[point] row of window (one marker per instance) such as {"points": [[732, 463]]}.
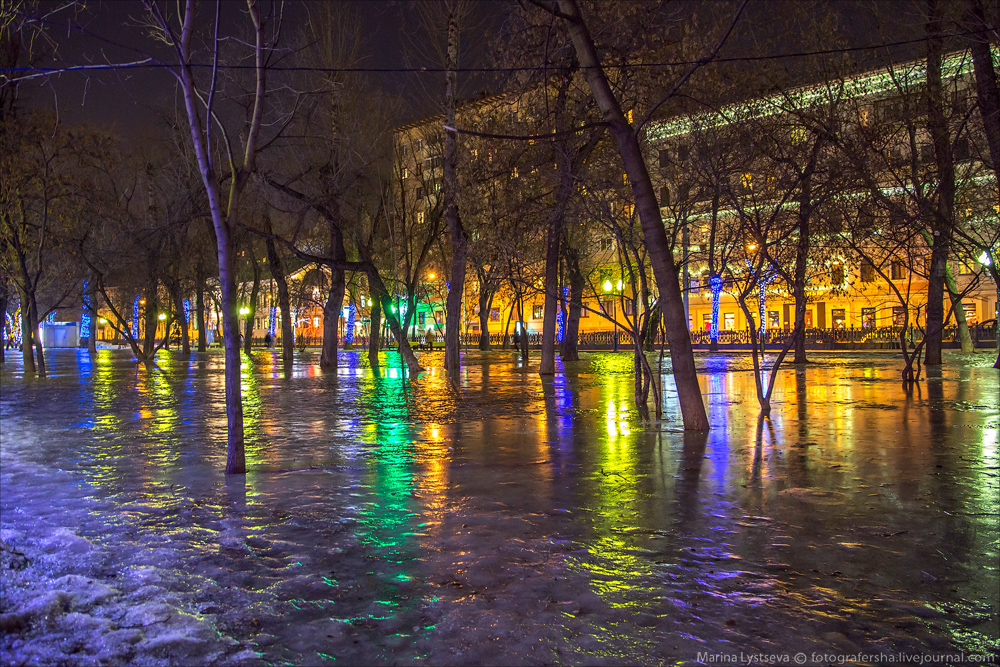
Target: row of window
{"points": [[605, 305], [897, 271]]}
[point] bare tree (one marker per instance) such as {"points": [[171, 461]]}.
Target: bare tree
{"points": [[178, 30]]}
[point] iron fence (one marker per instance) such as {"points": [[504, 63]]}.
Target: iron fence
{"points": [[982, 334]]}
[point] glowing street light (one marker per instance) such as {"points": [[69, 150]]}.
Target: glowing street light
{"points": [[244, 311], [161, 316], [431, 276], [607, 285]]}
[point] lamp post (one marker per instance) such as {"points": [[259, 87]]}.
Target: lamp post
{"points": [[607, 289], [244, 311]]}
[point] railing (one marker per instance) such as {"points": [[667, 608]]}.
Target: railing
{"points": [[983, 335]]}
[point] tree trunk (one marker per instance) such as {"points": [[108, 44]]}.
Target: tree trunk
{"points": [[802, 248], [39, 352], [335, 300], [664, 268], [547, 363], [92, 309], [3, 324], [248, 325], [375, 335], [485, 306], [987, 91], [571, 337], [235, 456], [941, 215], [28, 333], [379, 292], [459, 239], [178, 297], [964, 337], [506, 329], [284, 305], [199, 302], [331, 320], [484, 328], [149, 315]]}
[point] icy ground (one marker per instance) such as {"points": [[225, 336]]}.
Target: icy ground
{"points": [[387, 522]]}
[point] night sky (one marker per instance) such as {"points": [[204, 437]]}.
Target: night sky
{"points": [[124, 99]]}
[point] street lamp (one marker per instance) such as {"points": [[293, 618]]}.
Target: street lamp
{"points": [[607, 288]]}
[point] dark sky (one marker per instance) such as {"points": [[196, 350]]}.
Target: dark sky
{"points": [[107, 31]]}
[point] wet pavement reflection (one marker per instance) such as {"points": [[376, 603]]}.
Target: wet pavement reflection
{"points": [[515, 520]]}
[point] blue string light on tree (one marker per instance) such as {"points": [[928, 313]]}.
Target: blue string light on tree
{"points": [[765, 278], [187, 311], [561, 317], [272, 320], [352, 311], [716, 283], [135, 317], [85, 315]]}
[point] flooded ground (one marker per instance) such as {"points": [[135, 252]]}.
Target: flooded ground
{"points": [[508, 521]]}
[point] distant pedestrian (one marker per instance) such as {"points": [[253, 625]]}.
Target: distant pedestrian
{"points": [[267, 339]]}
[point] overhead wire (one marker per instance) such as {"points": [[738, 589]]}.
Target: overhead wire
{"points": [[150, 63]]}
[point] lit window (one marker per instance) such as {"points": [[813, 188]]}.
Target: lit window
{"points": [[837, 273]]}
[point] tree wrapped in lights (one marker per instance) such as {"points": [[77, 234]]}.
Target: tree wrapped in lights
{"points": [[135, 317], [352, 311], [86, 323], [716, 283]]}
